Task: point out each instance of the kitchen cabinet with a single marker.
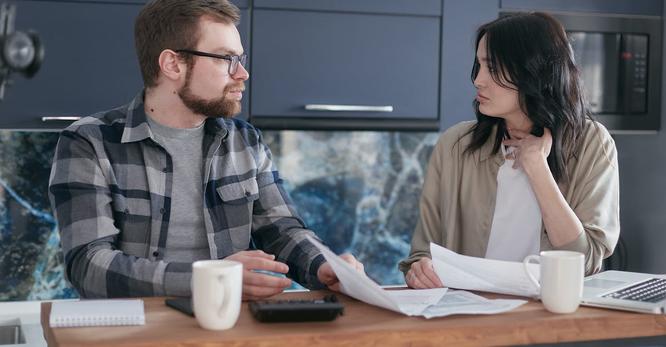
(90, 63)
(622, 7)
(325, 64)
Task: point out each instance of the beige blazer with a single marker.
(458, 198)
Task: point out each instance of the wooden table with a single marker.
(365, 325)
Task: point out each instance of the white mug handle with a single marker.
(225, 298)
(527, 269)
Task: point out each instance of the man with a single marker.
(142, 191)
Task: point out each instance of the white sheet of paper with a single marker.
(413, 302)
(462, 302)
(428, 303)
(359, 286)
(488, 275)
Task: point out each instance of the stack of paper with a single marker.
(412, 302)
(462, 302)
(496, 276)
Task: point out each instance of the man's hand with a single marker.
(326, 275)
(258, 285)
(421, 275)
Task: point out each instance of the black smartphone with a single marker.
(181, 304)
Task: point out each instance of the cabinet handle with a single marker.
(348, 108)
(61, 118)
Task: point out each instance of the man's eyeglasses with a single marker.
(233, 60)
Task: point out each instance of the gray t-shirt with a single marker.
(186, 238)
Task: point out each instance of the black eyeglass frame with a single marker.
(234, 60)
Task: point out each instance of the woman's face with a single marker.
(494, 99)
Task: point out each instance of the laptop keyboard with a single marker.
(651, 290)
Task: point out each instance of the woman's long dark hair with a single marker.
(532, 52)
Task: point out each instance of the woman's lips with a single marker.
(481, 98)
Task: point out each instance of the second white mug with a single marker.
(561, 282)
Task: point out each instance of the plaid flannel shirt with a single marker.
(110, 188)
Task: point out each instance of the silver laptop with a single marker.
(629, 291)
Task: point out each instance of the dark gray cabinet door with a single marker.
(118, 2)
(635, 7)
(89, 63)
(239, 3)
(401, 7)
(302, 58)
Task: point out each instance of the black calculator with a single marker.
(312, 310)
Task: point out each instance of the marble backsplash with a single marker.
(358, 190)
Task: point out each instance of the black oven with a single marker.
(620, 58)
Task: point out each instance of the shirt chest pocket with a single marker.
(235, 212)
(239, 193)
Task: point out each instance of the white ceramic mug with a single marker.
(561, 284)
(217, 288)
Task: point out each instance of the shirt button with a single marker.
(156, 253)
(248, 193)
(162, 210)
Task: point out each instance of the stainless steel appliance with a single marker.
(620, 58)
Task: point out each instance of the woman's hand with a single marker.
(529, 150)
(421, 275)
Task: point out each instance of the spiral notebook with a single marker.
(86, 313)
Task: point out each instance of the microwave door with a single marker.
(597, 57)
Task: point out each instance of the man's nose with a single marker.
(241, 73)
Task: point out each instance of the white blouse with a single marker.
(516, 226)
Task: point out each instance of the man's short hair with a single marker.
(174, 24)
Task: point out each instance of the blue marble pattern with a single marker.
(358, 190)
(31, 264)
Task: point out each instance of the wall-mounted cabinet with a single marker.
(90, 62)
(621, 7)
(334, 69)
(381, 58)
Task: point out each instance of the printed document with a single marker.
(412, 302)
(488, 275)
(463, 302)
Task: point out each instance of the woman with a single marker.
(533, 172)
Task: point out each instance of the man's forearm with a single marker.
(97, 270)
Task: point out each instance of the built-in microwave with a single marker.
(620, 59)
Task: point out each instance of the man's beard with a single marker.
(218, 107)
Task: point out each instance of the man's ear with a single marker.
(171, 66)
